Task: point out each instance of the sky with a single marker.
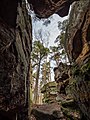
(49, 32)
(52, 28)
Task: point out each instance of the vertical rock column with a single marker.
(15, 49)
(78, 49)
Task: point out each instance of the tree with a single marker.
(61, 41)
(55, 54)
(38, 53)
(46, 74)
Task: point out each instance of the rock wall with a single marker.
(78, 49)
(77, 37)
(68, 106)
(15, 49)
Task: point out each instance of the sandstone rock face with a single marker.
(64, 97)
(78, 49)
(80, 88)
(45, 8)
(15, 49)
(78, 38)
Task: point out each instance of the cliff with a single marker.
(15, 49)
(68, 105)
(77, 36)
(78, 49)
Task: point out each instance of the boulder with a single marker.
(47, 112)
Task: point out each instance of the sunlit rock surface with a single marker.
(45, 8)
(15, 48)
(78, 49)
(78, 37)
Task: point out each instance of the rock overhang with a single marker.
(42, 8)
(45, 8)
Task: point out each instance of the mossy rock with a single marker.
(52, 84)
(70, 104)
(81, 71)
(71, 114)
(47, 86)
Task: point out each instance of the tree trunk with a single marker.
(36, 84)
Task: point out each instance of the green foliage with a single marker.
(86, 67)
(61, 40)
(81, 71)
(55, 54)
(39, 51)
(62, 27)
(47, 22)
(46, 74)
(76, 70)
(54, 49)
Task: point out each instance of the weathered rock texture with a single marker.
(45, 8)
(47, 112)
(15, 48)
(78, 37)
(58, 102)
(62, 78)
(78, 49)
(49, 91)
(68, 105)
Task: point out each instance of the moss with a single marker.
(70, 114)
(76, 70)
(47, 100)
(86, 67)
(81, 72)
(70, 104)
(66, 112)
(50, 86)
